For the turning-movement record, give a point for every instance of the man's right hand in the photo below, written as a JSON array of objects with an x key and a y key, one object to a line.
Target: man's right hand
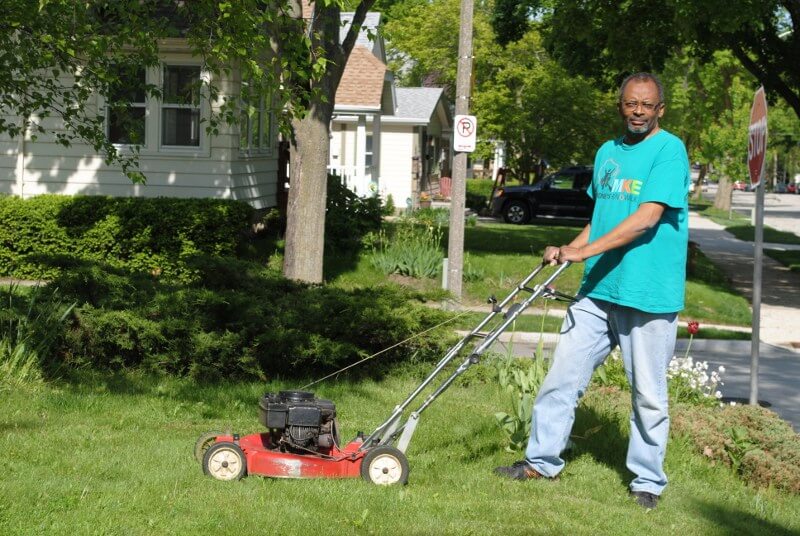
[{"x": 551, "y": 254}]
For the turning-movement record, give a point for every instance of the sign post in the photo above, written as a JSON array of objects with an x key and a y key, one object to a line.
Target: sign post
[
  {"x": 756, "y": 162},
  {"x": 464, "y": 129}
]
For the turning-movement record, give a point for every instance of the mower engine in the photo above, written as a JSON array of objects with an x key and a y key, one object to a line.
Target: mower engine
[{"x": 298, "y": 422}]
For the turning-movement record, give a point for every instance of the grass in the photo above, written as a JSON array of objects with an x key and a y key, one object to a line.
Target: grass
[
  {"x": 532, "y": 323},
  {"x": 113, "y": 455},
  {"x": 789, "y": 258},
  {"x": 507, "y": 253}
]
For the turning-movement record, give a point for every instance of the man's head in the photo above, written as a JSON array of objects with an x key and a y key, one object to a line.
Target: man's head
[{"x": 641, "y": 104}]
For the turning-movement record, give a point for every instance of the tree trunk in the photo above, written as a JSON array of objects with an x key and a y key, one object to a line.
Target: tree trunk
[
  {"x": 723, "y": 199},
  {"x": 310, "y": 146},
  {"x": 305, "y": 220},
  {"x": 698, "y": 186}
]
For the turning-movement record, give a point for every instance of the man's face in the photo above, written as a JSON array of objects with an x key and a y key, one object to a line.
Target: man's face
[{"x": 640, "y": 109}]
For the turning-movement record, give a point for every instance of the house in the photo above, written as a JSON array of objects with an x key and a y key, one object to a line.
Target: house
[
  {"x": 177, "y": 156},
  {"x": 417, "y": 145},
  {"x": 366, "y": 92},
  {"x": 386, "y": 139}
]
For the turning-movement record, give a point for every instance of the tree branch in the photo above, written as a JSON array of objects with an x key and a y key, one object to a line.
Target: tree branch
[{"x": 768, "y": 76}]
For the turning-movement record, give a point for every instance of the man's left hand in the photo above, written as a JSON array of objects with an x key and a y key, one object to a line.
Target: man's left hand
[{"x": 571, "y": 254}]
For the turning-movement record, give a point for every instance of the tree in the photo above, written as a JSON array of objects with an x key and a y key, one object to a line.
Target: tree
[
  {"x": 310, "y": 137},
  {"x": 520, "y": 96},
  {"x": 59, "y": 54},
  {"x": 541, "y": 112},
  {"x": 586, "y": 37}
]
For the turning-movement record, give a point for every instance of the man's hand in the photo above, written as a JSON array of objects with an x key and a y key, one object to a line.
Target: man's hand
[
  {"x": 571, "y": 254},
  {"x": 551, "y": 254},
  {"x": 559, "y": 255}
]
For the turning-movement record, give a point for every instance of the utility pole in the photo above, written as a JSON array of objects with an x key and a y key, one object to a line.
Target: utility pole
[{"x": 458, "y": 194}]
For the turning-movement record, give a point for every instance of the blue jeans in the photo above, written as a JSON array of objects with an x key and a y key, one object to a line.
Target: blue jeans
[{"x": 591, "y": 329}]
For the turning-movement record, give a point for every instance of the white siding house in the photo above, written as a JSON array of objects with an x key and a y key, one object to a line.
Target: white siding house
[
  {"x": 384, "y": 139},
  {"x": 178, "y": 158},
  {"x": 416, "y": 143}
]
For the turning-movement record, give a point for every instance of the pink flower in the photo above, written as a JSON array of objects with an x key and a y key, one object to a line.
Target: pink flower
[{"x": 693, "y": 327}]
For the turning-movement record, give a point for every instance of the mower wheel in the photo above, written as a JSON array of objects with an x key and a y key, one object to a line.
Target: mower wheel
[
  {"x": 385, "y": 465},
  {"x": 202, "y": 444},
  {"x": 225, "y": 461}
]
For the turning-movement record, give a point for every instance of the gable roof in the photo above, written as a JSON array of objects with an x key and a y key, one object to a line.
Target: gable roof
[
  {"x": 418, "y": 104},
  {"x": 362, "y": 81},
  {"x": 370, "y": 26}
]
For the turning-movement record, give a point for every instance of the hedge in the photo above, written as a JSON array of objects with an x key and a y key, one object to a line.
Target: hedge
[
  {"x": 238, "y": 320},
  {"x": 41, "y": 236}
]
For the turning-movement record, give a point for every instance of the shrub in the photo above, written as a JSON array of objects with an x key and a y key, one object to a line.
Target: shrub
[
  {"x": 237, "y": 320},
  {"x": 411, "y": 250},
  {"x": 431, "y": 217},
  {"x": 31, "y": 324},
  {"x": 42, "y": 236},
  {"x": 477, "y": 195},
  {"x": 349, "y": 217}
]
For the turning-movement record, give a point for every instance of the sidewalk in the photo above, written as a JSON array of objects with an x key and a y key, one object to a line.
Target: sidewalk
[{"x": 780, "y": 289}]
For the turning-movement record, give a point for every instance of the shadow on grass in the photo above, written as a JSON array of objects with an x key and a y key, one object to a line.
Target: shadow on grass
[
  {"x": 600, "y": 435},
  {"x": 731, "y": 521}
]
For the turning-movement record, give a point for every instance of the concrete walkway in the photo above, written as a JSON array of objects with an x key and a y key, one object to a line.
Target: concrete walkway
[{"x": 780, "y": 290}]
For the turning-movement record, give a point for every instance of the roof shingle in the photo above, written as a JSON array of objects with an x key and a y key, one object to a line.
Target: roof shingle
[{"x": 362, "y": 80}]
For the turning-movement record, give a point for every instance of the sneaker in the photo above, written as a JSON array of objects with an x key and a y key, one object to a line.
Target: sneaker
[
  {"x": 645, "y": 499},
  {"x": 520, "y": 470}
]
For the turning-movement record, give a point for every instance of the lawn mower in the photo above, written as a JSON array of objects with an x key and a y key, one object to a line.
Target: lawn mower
[{"x": 302, "y": 437}]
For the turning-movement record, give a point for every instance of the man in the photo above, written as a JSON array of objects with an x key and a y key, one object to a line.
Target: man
[{"x": 634, "y": 251}]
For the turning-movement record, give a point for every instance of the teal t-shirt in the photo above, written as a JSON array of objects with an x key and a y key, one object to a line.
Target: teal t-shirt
[{"x": 650, "y": 272}]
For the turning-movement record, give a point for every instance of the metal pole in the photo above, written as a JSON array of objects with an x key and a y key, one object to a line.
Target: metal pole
[
  {"x": 756, "y": 323},
  {"x": 455, "y": 248}
]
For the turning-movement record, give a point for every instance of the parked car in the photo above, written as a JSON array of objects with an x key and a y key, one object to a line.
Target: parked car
[
  {"x": 562, "y": 194},
  {"x": 693, "y": 186},
  {"x": 791, "y": 188},
  {"x": 740, "y": 185}
]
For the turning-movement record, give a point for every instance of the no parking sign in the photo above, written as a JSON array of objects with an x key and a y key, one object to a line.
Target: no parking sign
[{"x": 466, "y": 127}]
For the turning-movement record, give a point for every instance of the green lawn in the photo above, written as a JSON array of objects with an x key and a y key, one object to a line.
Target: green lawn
[
  {"x": 789, "y": 258},
  {"x": 113, "y": 455},
  {"x": 505, "y": 254}
]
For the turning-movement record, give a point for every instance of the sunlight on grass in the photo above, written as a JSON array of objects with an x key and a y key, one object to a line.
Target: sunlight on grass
[
  {"x": 506, "y": 254},
  {"x": 117, "y": 459}
]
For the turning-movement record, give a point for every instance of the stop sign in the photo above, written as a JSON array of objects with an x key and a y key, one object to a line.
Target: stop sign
[{"x": 757, "y": 145}]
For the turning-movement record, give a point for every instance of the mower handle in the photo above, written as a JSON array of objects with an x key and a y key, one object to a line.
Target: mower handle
[{"x": 387, "y": 432}]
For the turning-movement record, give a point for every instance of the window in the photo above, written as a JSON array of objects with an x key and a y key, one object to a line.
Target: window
[
  {"x": 368, "y": 152},
  {"x": 180, "y": 108},
  {"x": 126, "y": 109},
  {"x": 562, "y": 182},
  {"x": 254, "y": 123}
]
